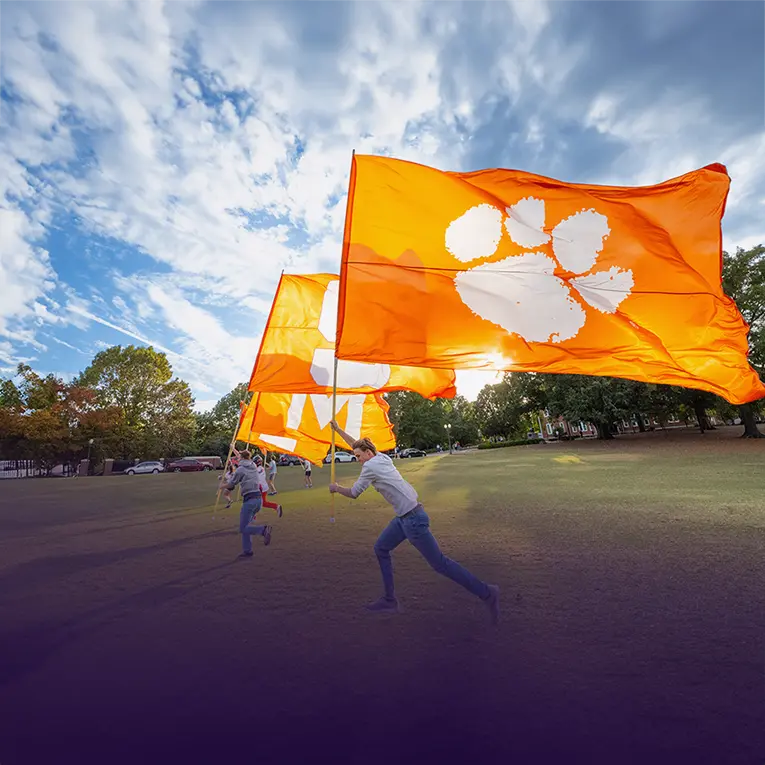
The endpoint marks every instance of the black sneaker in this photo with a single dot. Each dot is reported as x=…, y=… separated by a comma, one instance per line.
x=267, y=536
x=245, y=554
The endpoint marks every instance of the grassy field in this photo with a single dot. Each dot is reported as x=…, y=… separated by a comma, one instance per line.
x=633, y=628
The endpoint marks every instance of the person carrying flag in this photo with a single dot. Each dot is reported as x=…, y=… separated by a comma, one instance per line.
x=410, y=523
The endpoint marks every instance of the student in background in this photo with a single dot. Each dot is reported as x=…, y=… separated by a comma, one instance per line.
x=272, y=474
x=264, y=487
x=307, y=467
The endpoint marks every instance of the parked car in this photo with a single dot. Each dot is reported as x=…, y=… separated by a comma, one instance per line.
x=340, y=457
x=215, y=462
x=187, y=466
x=146, y=467
x=288, y=459
x=412, y=453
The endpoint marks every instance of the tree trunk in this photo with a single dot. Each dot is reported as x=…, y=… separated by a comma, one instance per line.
x=750, y=425
x=701, y=416
x=641, y=424
x=604, y=431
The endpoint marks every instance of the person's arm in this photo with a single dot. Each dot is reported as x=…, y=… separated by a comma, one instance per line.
x=362, y=484
x=235, y=479
x=348, y=440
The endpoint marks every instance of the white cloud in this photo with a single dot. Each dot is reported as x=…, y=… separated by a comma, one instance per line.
x=92, y=317
x=228, y=166
x=178, y=177
x=214, y=357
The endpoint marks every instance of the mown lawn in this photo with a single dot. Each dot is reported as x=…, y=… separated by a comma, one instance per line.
x=633, y=623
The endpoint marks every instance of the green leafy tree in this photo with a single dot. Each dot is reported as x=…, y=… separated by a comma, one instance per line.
x=744, y=281
x=499, y=408
x=461, y=415
x=659, y=401
x=214, y=429
x=156, y=410
x=172, y=424
x=699, y=402
x=38, y=392
x=599, y=400
x=10, y=396
x=417, y=421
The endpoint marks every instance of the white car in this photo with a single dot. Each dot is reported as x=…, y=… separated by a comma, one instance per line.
x=146, y=467
x=341, y=457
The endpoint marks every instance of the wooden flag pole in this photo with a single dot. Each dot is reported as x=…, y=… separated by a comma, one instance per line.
x=225, y=467
x=334, y=436
x=346, y=244
x=230, y=452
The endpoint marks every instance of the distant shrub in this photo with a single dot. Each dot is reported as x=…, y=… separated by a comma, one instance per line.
x=503, y=444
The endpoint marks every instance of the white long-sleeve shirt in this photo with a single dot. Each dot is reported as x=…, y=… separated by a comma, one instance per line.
x=262, y=478
x=381, y=473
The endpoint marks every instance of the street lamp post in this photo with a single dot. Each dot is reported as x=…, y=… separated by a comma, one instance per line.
x=90, y=444
x=448, y=429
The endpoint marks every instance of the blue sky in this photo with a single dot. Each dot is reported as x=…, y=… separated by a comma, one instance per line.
x=161, y=164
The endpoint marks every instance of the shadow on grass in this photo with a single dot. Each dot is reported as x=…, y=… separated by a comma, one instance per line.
x=41, y=570
x=22, y=652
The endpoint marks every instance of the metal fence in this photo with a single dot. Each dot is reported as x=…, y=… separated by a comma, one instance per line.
x=30, y=469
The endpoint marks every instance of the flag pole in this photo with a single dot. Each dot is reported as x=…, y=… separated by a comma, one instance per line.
x=334, y=435
x=346, y=243
x=225, y=467
x=230, y=452
x=250, y=392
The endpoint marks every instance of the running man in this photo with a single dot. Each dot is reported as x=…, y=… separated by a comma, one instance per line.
x=264, y=487
x=307, y=467
x=272, y=474
x=410, y=522
x=246, y=475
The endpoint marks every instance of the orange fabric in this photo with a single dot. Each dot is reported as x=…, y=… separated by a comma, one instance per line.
x=295, y=423
x=297, y=351
x=507, y=270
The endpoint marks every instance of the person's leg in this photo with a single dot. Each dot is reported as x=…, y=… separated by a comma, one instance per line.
x=271, y=505
x=392, y=536
x=247, y=530
x=245, y=517
x=417, y=529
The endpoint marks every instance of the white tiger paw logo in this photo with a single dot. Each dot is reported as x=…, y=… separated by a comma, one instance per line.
x=521, y=293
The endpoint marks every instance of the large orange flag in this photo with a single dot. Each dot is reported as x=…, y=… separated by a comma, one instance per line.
x=297, y=353
x=507, y=270
x=298, y=423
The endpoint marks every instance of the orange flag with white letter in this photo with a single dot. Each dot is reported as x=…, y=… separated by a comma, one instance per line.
x=297, y=353
x=298, y=423
x=507, y=270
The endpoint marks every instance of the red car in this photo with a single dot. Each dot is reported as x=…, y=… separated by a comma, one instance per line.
x=186, y=466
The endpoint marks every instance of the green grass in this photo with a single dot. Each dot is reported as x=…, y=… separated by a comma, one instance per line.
x=631, y=574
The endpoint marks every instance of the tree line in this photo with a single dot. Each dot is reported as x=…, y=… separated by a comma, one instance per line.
x=129, y=404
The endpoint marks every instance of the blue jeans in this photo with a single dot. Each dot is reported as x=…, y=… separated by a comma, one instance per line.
x=415, y=527
x=250, y=508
